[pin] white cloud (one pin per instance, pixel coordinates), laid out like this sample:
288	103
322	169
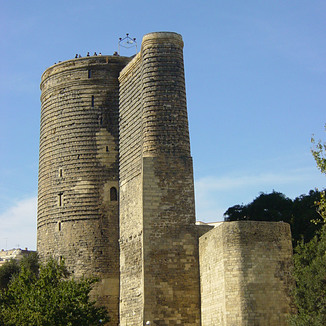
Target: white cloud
18	225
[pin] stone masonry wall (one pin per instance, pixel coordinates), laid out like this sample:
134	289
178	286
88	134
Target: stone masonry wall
245	274
158	242
131	197
170	245
78	171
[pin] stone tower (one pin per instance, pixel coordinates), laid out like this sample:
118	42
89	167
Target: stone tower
116	200
159	247
79	170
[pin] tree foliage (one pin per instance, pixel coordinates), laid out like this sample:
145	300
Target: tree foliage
7	271
266	207
277	207
310	265
304	212
47	296
12	268
310	277
319	153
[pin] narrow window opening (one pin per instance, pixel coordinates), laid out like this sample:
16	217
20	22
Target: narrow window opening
60	259
89	73
92	101
60	199
113	194
60	172
107	148
59	226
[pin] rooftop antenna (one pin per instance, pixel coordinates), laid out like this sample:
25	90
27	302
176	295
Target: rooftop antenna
127	42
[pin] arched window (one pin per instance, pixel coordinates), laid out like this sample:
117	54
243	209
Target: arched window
113	194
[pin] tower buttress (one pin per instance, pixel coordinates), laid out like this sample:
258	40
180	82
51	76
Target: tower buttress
161	235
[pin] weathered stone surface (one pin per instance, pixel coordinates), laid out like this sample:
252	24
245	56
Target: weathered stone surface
245	274
156	178
79	152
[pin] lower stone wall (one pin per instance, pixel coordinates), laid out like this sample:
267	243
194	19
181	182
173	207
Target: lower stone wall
245	274
131	253
171	267
131	197
88	251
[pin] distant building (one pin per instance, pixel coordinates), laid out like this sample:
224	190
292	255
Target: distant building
17	254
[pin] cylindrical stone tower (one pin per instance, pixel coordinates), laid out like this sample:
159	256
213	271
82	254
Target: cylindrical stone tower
171	270
79	171
165	128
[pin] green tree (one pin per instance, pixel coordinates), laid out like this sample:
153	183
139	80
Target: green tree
12	268
8	270
277	207
310	265
310	277
304	211
319	153
266	207
49	297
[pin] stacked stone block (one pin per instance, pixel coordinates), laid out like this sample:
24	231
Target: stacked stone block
245	274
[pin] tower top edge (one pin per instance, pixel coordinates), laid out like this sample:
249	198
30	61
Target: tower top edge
84	61
161	36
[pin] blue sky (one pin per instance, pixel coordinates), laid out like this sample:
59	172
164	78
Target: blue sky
255	78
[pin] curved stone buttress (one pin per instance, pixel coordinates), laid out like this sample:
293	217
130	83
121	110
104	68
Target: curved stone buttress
159	247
